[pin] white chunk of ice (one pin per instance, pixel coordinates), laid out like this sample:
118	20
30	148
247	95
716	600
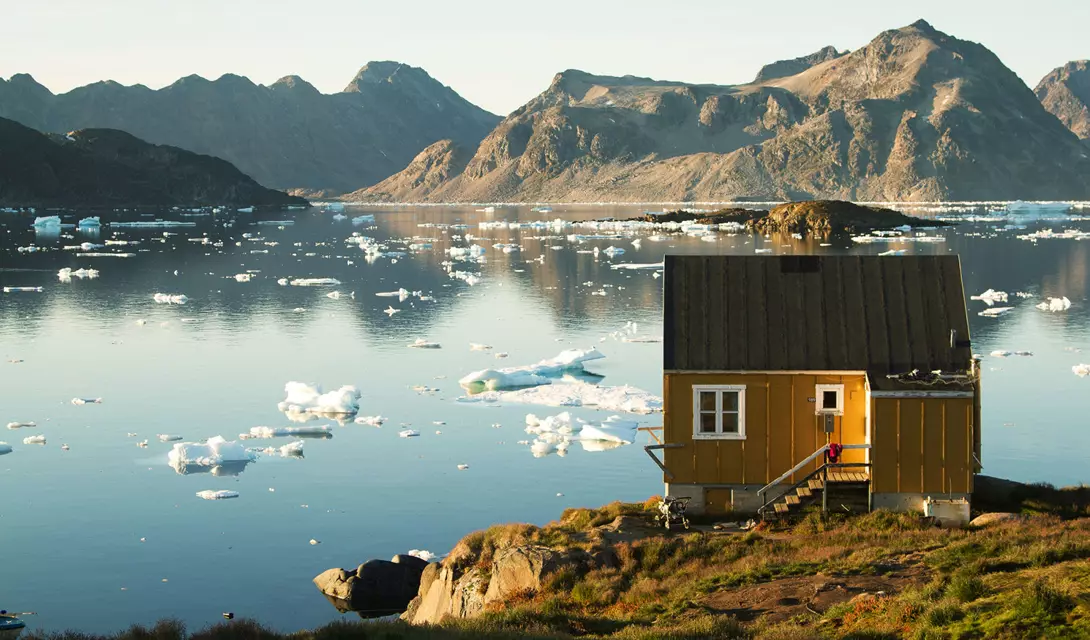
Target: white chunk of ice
314	282
86	400
5	448
990	297
167	298
166	437
408	433
308	398
530	375
215	451
222	494
21	425
280	432
34	440
423	554
1055	304
374	421
421	343
578	394
994	311
1081	370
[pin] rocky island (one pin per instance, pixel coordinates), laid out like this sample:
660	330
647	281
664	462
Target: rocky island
811	216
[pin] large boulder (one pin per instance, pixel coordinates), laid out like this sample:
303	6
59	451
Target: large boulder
986	519
377	587
521	569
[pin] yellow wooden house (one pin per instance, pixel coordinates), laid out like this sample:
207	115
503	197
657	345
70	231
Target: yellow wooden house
842	381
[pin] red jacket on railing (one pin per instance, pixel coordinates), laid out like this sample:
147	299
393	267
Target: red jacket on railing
834	453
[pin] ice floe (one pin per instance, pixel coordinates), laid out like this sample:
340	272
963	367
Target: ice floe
66	274
423	554
213	452
308	398
34	440
1055	304
990	297
556	433
408	433
421	343
289	450
166	437
320	431
222	494
651	266
5	448
995	311
1081	370
314	282
23	289
374	421
21	425
86	400
170	298
575	393
531	375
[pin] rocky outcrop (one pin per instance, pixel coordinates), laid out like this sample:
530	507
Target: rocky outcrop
914	115
286	135
784	68
95	168
1065	92
813	216
376	588
456	589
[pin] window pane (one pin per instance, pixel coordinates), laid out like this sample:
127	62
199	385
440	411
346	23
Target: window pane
828	400
707	401
730	401
730	423
707	423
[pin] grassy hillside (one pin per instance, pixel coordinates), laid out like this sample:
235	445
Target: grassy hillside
882	575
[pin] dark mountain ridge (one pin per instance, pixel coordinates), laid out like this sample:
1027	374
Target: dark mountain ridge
1065	92
287	134
94	168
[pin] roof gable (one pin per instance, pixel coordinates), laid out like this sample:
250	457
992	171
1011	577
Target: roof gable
879	314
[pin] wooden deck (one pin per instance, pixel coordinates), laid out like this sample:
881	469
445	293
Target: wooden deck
848	476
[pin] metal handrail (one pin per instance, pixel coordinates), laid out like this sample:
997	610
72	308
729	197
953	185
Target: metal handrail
824	467
808	460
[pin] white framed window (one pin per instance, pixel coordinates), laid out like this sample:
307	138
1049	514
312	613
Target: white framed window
829	399
719	412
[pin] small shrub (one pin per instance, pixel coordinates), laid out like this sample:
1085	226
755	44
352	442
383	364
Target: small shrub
966	587
944	614
1042	601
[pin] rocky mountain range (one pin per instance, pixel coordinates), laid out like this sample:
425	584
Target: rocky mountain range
914	115
1066	94
286	135
94	168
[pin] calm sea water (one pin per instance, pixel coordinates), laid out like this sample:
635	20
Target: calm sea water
106	534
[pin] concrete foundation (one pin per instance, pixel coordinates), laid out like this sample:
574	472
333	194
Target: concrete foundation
911	501
704	498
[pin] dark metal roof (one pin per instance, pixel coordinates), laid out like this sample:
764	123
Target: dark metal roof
879	314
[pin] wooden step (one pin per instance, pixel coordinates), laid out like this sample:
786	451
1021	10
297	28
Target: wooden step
791	500
816	484
847	476
781	507
803	492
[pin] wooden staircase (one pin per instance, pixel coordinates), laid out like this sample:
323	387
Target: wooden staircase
833	487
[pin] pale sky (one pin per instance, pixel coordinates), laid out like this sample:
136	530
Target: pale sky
495	53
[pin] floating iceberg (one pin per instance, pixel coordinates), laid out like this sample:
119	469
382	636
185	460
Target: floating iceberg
423	554
21	425
90	223
321	431
153	224
994	311
556	433
86	400
1055	304
47	223
577	394
169	298
290	450
215	451
244	277
307	398
357	221
408	433
166	437
1081	370
222	494
374	421
1022	207
5	448
314	282
66	274
34	440
530	375
421	343
990	297
23	289
653	266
